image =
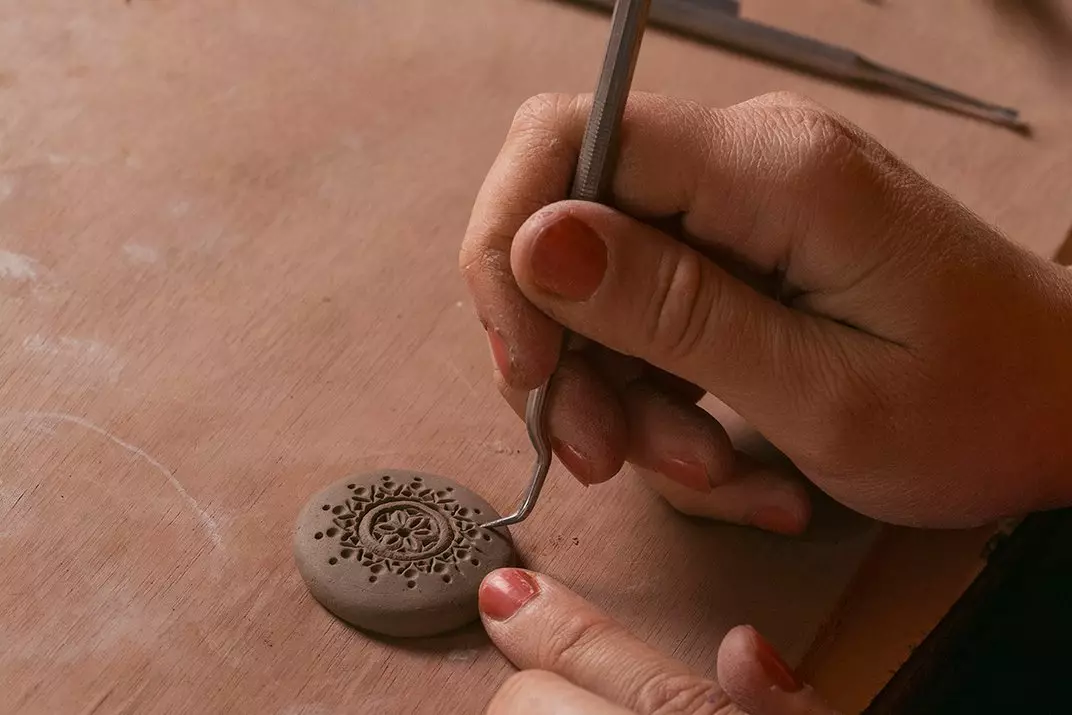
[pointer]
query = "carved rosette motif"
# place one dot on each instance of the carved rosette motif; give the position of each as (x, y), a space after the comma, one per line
(403, 528)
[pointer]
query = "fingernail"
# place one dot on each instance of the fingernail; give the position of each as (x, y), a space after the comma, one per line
(775, 668)
(504, 592)
(578, 465)
(688, 474)
(500, 354)
(568, 259)
(776, 519)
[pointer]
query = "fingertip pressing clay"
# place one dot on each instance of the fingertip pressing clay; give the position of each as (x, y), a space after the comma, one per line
(399, 553)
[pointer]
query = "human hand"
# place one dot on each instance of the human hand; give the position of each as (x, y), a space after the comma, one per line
(575, 660)
(908, 359)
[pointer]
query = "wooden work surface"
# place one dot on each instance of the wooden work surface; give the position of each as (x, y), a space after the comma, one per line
(228, 234)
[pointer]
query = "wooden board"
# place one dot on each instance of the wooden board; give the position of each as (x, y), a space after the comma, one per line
(227, 277)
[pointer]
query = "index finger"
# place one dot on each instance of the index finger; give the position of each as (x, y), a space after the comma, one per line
(533, 169)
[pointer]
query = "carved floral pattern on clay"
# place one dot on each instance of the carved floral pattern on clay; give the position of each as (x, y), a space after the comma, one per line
(406, 529)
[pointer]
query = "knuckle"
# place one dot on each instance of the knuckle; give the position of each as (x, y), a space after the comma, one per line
(823, 139)
(665, 693)
(541, 112)
(543, 127)
(680, 309)
(571, 639)
(786, 98)
(823, 158)
(476, 261)
(517, 689)
(815, 140)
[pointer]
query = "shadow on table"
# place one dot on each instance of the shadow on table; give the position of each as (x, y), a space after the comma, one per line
(470, 637)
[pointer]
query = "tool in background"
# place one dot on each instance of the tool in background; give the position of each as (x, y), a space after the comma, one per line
(718, 21)
(595, 167)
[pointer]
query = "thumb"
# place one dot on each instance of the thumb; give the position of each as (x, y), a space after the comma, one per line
(643, 293)
(759, 682)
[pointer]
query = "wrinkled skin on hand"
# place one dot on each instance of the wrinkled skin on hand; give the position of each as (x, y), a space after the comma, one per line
(908, 359)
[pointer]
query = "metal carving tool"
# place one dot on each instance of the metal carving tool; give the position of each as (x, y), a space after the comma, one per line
(717, 21)
(595, 167)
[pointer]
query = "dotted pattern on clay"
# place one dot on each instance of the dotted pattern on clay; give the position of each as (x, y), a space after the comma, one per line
(404, 529)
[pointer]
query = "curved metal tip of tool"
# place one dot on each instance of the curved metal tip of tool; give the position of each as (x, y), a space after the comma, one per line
(539, 475)
(535, 419)
(505, 521)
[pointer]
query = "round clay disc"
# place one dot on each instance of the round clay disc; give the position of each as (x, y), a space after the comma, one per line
(399, 553)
